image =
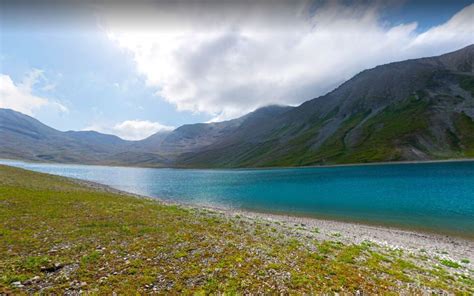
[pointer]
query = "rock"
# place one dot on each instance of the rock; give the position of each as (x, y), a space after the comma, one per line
(55, 267)
(32, 280)
(17, 284)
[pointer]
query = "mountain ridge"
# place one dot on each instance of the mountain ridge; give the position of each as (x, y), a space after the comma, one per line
(418, 109)
(370, 91)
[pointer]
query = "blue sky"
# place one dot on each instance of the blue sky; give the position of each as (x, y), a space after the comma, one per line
(95, 79)
(427, 13)
(132, 76)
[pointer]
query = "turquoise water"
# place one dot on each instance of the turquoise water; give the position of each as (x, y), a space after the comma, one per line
(431, 196)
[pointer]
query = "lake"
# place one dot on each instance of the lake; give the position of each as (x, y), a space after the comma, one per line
(427, 196)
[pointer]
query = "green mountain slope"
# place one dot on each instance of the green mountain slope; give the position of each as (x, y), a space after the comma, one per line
(412, 110)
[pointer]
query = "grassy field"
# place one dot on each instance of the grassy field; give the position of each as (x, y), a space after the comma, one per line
(59, 236)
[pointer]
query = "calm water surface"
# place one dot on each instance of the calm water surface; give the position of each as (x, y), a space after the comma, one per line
(432, 196)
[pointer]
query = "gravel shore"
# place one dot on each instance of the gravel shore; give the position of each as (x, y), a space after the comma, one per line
(443, 246)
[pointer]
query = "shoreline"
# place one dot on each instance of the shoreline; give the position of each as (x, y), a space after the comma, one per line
(402, 162)
(388, 225)
(444, 246)
(395, 238)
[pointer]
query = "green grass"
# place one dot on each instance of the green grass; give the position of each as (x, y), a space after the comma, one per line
(58, 236)
(383, 134)
(450, 263)
(465, 127)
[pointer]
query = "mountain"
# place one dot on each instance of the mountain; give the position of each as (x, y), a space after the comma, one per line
(417, 109)
(195, 137)
(95, 138)
(23, 137)
(411, 110)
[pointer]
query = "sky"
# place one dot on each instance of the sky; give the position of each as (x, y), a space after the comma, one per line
(136, 69)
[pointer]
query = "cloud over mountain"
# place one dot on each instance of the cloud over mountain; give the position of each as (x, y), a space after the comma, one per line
(132, 129)
(228, 59)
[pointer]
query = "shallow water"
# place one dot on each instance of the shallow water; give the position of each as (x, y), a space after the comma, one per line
(431, 196)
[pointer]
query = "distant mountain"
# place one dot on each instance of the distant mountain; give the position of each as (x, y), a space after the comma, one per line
(412, 110)
(95, 138)
(23, 137)
(196, 137)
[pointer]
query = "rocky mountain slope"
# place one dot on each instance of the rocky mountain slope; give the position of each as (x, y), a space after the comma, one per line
(412, 110)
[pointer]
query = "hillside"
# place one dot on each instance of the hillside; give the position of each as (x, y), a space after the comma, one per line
(82, 238)
(412, 110)
(195, 137)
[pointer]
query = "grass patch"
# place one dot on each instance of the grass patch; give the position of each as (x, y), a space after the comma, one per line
(450, 263)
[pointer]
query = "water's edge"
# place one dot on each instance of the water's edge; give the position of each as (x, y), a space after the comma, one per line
(359, 164)
(281, 216)
(286, 217)
(286, 201)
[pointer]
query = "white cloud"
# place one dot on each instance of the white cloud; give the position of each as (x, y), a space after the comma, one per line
(132, 129)
(230, 59)
(456, 33)
(20, 97)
